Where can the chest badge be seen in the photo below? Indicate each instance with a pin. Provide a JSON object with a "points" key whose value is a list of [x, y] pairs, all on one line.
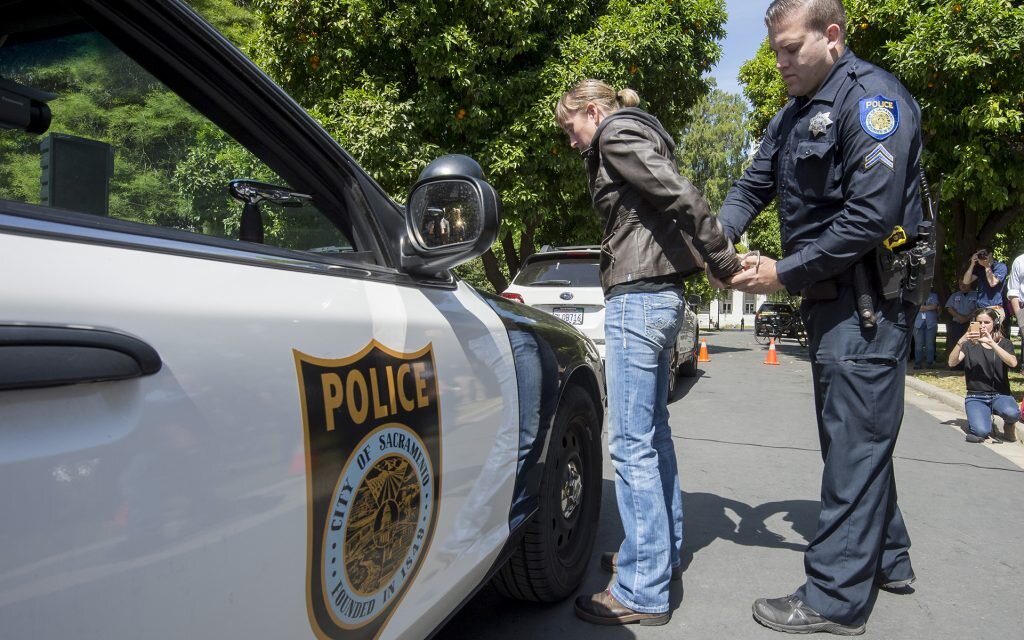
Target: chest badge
{"points": [[879, 116], [373, 458], [820, 123]]}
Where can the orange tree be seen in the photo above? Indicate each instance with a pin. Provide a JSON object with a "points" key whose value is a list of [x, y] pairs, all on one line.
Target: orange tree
{"points": [[963, 62], [401, 82]]}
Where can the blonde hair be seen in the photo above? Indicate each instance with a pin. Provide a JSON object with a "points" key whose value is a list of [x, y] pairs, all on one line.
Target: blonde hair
{"points": [[606, 99]]}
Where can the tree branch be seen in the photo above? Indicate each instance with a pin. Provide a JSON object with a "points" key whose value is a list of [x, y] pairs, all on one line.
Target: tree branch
{"points": [[508, 245]]}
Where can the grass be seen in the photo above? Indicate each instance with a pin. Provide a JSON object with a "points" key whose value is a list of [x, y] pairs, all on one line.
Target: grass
{"points": [[952, 380]]}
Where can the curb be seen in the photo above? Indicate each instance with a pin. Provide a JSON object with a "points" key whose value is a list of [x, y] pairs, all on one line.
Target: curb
{"points": [[946, 397]]}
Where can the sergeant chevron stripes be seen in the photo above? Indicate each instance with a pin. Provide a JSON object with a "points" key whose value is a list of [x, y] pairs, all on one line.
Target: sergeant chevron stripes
{"points": [[879, 155]]}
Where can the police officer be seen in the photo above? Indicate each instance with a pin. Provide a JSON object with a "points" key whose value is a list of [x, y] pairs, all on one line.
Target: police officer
{"points": [[843, 159]]}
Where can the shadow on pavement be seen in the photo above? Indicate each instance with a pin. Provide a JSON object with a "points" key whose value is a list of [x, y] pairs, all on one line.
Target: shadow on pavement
{"points": [[707, 518], [684, 385], [960, 423]]}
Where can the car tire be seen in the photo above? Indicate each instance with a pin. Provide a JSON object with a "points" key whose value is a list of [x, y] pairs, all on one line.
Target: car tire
{"points": [[549, 563], [673, 371], [689, 368]]}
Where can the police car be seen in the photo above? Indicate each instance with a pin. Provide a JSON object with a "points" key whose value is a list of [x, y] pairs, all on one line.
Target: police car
{"points": [[241, 393]]}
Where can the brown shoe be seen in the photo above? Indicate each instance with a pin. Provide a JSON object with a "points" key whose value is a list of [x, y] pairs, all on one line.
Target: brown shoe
{"points": [[603, 608], [610, 558]]}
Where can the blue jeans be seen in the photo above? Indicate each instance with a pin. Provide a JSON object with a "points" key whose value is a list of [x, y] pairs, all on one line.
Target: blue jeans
{"points": [[980, 408], [924, 344], [640, 329]]}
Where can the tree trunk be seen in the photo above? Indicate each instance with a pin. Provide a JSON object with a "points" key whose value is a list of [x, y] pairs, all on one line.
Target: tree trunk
{"points": [[996, 222], [527, 247], [493, 271], [508, 245]]}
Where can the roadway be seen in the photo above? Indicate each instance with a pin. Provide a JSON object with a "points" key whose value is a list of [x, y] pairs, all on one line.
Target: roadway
{"points": [[750, 468]]}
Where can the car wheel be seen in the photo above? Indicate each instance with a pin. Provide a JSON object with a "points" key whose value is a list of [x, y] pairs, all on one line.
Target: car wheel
{"points": [[673, 371], [689, 368], [549, 563]]}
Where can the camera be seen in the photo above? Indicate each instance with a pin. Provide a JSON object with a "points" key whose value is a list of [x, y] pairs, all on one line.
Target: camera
{"points": [[23, 107], [982, 254]]}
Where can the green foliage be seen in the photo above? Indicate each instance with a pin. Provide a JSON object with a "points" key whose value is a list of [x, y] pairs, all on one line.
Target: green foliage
{"points": [[963, 62], [712, 153], [103, 96], [764, 88], [399, 83], [171, 166], [713, 146]]}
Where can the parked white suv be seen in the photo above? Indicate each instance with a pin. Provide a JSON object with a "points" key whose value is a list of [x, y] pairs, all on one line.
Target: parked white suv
{"points": [[565, 282]]}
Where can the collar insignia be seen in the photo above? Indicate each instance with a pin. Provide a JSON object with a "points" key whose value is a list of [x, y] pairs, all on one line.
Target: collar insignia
{"points": [[820, 123]]}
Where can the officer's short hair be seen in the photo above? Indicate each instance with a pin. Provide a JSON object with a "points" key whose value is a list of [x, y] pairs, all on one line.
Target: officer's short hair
{"points": [[820, 13]]}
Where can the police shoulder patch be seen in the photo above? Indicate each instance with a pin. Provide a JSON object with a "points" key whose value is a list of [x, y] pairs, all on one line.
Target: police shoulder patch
{"points": [[879, 116]]}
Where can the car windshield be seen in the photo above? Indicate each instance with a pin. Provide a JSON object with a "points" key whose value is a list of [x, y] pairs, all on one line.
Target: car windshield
{"points": [[776, 308], [571, 272]]}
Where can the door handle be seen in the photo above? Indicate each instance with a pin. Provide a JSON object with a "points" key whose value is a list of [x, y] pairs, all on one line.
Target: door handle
{"points": [[37, 356]]}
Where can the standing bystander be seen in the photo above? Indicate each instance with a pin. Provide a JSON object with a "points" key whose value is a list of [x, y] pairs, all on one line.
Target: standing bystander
{"points": [[961, 305], [989, 273], [926, 327], [1015, 292]]}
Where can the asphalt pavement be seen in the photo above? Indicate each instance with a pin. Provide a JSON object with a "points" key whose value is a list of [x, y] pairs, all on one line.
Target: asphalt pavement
{"points": [[750, 468]]}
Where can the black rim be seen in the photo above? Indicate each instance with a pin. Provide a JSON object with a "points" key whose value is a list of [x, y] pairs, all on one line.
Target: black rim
{"points": [[571, 471]]}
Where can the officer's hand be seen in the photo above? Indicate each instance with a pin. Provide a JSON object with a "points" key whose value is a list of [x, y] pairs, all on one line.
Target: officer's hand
{"points": [[757, 277]]}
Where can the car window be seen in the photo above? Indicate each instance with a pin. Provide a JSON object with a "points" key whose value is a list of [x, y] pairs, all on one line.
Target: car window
{"points": [[777, 308], [575, 272], [122, 145]]}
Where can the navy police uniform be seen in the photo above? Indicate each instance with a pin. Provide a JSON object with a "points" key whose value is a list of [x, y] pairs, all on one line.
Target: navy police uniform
{"points": [[845, 168]]}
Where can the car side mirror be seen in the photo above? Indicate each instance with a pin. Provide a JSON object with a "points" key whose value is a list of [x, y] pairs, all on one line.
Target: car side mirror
{"points": [[450, 220]]}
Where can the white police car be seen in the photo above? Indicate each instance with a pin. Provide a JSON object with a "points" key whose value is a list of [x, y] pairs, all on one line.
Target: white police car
{"points": [[273, 414]]}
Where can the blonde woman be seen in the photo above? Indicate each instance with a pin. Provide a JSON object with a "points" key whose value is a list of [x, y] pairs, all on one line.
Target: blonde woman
{"points": [[657, 231]]}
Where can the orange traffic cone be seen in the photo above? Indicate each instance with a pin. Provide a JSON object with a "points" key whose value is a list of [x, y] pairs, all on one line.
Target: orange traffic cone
{"points": [[703, 355], [773, 357]]}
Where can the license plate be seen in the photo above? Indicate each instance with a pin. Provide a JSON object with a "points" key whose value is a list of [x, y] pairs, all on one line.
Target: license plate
{"points": [[572, 315]]}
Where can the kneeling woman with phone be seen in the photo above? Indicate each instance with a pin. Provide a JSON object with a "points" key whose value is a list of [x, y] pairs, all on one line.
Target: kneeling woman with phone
{"points": [[987, 358]]}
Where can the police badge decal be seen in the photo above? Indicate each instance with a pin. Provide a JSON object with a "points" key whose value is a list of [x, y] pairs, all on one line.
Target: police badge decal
{"points": [[373, 455]]}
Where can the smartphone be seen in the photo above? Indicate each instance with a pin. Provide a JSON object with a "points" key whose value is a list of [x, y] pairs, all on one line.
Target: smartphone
{"points": [[974, 327]]}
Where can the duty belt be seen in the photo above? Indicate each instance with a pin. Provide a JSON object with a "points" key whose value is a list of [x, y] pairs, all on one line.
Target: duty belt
{"points": [[825, 290]]}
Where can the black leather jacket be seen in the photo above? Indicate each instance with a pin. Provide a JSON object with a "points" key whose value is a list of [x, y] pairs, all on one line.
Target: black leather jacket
{"points": [[656, 222]]}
